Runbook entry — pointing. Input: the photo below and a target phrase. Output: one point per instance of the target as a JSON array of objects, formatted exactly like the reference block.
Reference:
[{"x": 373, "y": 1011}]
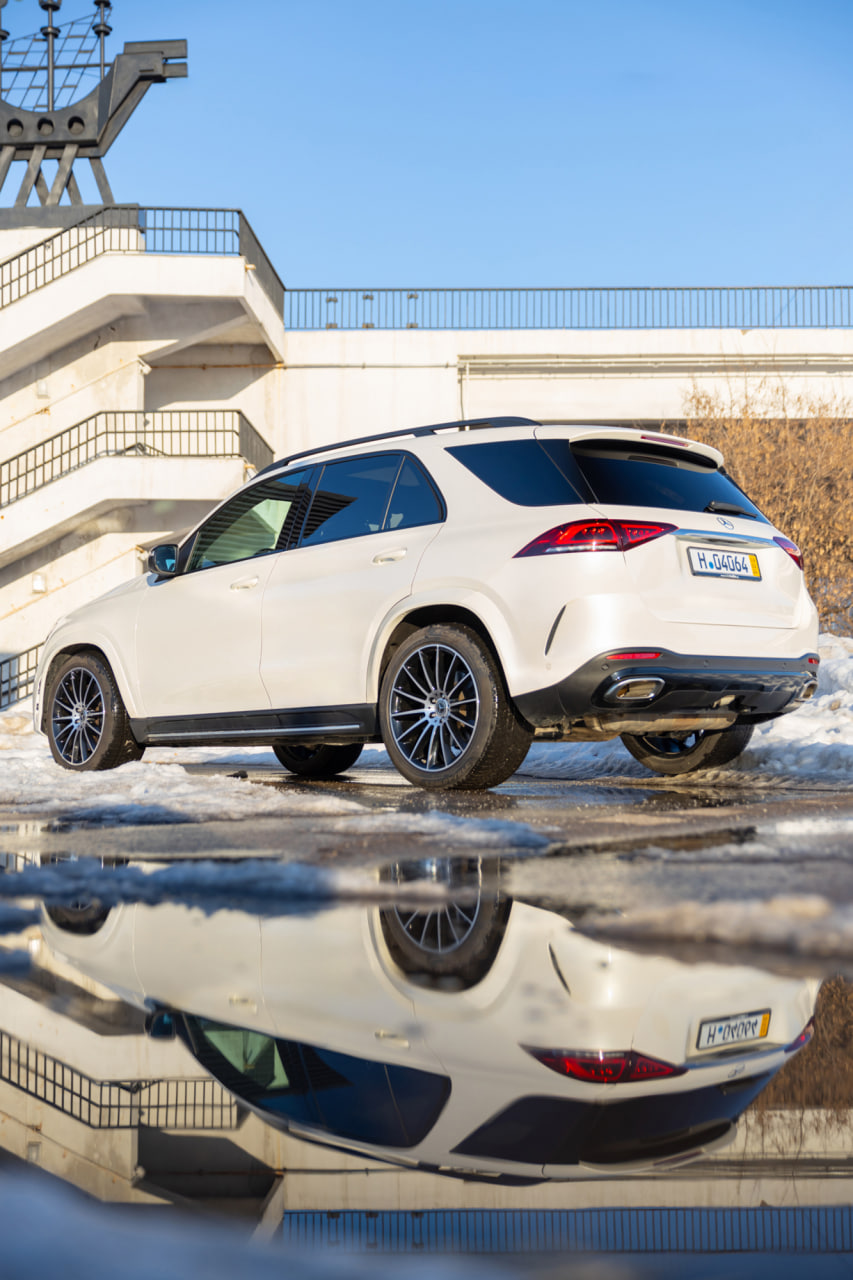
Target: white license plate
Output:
[
  {"x": 740, "y": 1028},
  {"x": 712, "y": 562}
]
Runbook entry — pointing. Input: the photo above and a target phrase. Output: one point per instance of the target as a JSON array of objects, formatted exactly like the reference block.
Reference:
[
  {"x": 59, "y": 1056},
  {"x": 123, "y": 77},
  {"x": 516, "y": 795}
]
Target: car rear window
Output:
[
  {"x": 554, "y": 472},
  {"x": 621, "y": 474}
]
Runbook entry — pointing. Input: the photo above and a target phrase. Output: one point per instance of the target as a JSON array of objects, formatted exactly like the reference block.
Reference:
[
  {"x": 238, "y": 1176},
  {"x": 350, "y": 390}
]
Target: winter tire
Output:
[
  {"x": 683, "y": 752},
  {"x": 444, "y": 713},
  {"x": 319, "y": 762},
  {"x": 87, "y": 725}
]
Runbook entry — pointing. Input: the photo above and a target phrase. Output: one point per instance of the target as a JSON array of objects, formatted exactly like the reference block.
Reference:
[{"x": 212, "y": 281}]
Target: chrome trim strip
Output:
[
  {"x": 725, "y": 539},
  {"x": 258, "y": 733}
]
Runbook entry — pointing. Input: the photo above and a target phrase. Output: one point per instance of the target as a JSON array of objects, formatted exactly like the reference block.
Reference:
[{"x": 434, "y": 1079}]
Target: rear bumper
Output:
[{"x": 672, "y": 687}]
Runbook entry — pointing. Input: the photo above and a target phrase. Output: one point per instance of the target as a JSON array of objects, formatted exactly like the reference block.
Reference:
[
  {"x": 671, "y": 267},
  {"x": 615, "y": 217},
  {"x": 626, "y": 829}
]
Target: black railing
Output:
[
  {"x": 804, "y": 307},
  {"x": 115, "y": 1104},
  {"x": 130, "y": 229},
  {"x": 17, "y": 676},
  {"x": 168, "y": 433}
]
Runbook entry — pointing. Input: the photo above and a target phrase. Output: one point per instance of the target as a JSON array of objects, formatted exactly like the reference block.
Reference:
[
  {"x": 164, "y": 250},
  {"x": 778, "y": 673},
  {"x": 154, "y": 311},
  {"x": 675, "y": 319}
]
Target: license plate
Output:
[
  {"x": 740, "y": 1028},
  {"x": 710, "y": 562}
]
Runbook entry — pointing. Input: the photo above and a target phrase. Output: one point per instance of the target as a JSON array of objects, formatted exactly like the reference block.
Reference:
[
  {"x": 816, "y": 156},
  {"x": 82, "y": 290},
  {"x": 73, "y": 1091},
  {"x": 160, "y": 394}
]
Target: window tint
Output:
[
  {"x": 350, "y": 499},
  {"x": 257, "y": 520},
  {"x": 523, "y": 472},
  {"x": 627, "y": 475},
  {"x": 414, "y": 500},
  {"x": 382, "y": 1103}
]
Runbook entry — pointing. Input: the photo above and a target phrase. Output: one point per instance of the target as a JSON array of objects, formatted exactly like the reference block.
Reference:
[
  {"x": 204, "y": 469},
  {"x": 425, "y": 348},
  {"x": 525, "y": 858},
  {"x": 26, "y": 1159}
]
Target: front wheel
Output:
[
  {"x": 445, "y": 715},
  {"x": 87, "y": 725},
  {"x": 673, "y": 753},
  {"x": 324, "y": 761}
]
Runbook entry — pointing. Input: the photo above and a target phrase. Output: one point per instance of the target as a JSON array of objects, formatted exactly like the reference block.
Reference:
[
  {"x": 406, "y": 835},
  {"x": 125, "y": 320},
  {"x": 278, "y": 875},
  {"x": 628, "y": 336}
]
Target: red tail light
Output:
[
  {"x": 605, "y": 1068},
  {"x": 792, "y": 549},
  {"x": 595, "y": 535},
  {"x": 802, "y": 1039}
]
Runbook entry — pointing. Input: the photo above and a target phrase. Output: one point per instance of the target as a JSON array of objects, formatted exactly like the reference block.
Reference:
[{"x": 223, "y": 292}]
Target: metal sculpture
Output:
[{"x": 43, "y": 118}]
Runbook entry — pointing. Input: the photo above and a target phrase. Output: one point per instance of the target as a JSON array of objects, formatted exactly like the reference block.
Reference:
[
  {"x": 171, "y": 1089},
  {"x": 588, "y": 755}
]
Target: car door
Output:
[
  {"x": 199, "y": 633},
  {"x": 370, "y": 520}
]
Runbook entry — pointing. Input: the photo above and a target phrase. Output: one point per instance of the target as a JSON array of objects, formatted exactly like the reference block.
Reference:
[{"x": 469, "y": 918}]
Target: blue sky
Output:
[{"x": 504, "y": 142}]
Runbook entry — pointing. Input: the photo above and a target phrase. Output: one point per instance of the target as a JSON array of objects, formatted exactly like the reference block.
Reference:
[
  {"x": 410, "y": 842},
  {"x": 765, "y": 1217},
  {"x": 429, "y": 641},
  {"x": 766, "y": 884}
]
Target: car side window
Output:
[
  {"x": 414, "y": 500},
  {"x": 350, "y": 499},
  {"x": 256, "y": 521}
]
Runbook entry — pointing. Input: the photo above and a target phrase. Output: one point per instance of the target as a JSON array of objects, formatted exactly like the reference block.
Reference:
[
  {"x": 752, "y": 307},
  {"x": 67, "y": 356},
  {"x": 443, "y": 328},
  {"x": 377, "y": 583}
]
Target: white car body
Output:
[{"x": 292, "y": 646}]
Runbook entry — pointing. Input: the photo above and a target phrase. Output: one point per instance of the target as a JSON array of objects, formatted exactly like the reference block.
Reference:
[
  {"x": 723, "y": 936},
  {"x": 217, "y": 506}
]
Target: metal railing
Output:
[
  {"x": 131, "y": 229},
  {"x": 115, "y": 1104},
  {"x": 17, "y": 676},
  {"x": 802, "y": 307},
  {"x": 167, "y": 433}
]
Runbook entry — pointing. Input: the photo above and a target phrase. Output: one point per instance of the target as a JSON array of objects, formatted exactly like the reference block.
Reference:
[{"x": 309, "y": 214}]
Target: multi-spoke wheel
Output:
[
  {"x": 323, "y": 761},
  {"x": 445, "y": 716},
  {"x": 86, "y": 722},
  {"x": 457, "y": 938},
  {"x": 673, "y": 753}
]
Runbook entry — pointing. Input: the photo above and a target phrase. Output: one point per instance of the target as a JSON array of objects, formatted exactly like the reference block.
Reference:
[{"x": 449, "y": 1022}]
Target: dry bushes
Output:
[
  {"x": 795, "y": 460},
  {"x": 822, "y": 1075}
]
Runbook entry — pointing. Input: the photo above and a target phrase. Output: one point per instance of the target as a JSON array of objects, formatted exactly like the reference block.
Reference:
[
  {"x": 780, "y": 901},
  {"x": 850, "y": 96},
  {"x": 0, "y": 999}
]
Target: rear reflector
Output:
[
  {"x": 595, "y": 535},
  {"x": 605, "y": 1068},
  {"x": 802, "y": 1039},
  {"x": 642, "y": 655},
  {"x": 792, "y": 549}
]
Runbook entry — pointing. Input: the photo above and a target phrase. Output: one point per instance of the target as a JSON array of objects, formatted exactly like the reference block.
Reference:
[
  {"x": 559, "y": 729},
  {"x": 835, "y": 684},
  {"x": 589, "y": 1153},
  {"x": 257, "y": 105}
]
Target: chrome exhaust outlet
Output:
[{"x": 634, "y": 689}]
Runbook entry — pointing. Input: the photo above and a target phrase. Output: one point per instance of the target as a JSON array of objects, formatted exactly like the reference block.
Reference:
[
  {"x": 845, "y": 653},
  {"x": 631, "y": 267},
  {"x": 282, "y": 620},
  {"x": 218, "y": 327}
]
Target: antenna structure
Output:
[{"x": 61, "y": 100}]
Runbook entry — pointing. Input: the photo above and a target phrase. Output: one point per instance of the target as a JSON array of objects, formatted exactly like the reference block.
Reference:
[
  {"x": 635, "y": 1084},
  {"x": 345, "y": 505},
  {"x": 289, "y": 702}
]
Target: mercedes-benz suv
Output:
[{"x": 452, "y": 591}]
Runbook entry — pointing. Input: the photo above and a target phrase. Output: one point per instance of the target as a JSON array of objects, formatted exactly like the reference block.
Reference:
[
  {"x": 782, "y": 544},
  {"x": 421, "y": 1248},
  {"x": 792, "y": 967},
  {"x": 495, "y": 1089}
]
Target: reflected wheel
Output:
[{"x": 324, "y": 761}]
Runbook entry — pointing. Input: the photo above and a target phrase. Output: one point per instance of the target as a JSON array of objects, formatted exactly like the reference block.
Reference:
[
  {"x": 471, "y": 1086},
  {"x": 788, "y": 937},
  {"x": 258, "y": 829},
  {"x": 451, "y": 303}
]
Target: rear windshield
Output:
[{"x": 545, "y": 473}]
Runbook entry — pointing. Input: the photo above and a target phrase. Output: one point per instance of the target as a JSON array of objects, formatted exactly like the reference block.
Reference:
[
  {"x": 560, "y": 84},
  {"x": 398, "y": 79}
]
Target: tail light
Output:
[
  {"x": 621, "y": 1067},
  {"x": 595, "y": 535},
  {"x": 802, "y": 1039},
  {"x": 792, "y": 549}
]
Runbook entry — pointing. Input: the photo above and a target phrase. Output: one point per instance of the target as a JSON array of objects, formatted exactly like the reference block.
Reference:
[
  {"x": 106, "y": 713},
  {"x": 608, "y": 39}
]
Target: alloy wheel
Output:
[
  {"x": 434, "y": 707},
  {"x": 78, "y": 716}
]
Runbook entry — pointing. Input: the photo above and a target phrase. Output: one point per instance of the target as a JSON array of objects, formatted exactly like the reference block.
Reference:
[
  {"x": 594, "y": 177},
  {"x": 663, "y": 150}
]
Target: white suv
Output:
[{"x": 450, "y": 590}]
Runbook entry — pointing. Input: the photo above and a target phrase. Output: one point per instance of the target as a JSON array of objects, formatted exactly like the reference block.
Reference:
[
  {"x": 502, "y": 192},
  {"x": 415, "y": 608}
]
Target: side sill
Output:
[{"x": 309, "y": 725}]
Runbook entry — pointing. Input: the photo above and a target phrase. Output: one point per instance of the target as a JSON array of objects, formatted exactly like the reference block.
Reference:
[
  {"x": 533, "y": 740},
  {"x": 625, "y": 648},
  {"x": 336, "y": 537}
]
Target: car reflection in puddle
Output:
[{"x": 456, "y": 1031}]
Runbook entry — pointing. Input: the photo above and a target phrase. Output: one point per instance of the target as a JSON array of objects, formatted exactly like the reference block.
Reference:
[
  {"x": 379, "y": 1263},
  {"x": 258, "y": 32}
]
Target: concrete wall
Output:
[{"x": 346, "y": 383}]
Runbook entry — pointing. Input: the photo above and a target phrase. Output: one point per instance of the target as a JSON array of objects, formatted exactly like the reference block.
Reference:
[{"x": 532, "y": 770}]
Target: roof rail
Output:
[{"x": 464, "y": 424}]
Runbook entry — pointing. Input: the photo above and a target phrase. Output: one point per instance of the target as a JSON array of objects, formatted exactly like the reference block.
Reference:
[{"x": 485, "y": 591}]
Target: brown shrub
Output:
[
  {"x": 794, "y": 457},
  {"x": 822, "y": 1075}
]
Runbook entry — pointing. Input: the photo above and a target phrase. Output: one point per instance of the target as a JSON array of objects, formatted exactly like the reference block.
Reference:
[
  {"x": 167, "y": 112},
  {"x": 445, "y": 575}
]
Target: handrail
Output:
[
  {"x": 168, "y": 433},
  {"x": 177, "y": 1103},
  {"x": 131, "y": 229},
  {"x": 794, "y": 307},
  {"x": 18, "y": 676}
]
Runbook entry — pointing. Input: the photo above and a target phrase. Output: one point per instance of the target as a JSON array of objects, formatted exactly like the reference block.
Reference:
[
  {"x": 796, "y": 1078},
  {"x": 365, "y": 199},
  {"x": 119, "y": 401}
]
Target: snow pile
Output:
[{"x": 146, "y": 791}]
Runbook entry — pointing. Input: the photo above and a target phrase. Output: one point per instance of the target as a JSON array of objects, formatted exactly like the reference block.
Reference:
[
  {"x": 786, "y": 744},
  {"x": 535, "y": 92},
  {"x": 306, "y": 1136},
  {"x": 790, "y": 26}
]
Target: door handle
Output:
[
  {"x": 388, "y": 557},
  {"x": 245, "y": 584}
]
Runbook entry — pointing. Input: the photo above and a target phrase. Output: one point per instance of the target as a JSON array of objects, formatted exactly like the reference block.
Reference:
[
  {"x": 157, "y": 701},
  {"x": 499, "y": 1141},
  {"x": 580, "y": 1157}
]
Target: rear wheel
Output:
[
  {"x": 324, "y": 761},
  {"x": 673, "y": 753},
  {"x": 446, "y": 718},
  {"x": 87, "y": 725}
]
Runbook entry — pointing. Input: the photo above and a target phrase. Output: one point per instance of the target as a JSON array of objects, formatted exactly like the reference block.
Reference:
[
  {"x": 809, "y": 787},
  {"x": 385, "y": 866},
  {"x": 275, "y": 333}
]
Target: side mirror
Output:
[
  {"x": 160, "y": 1025},
  {"x": 163, "y": 560}
]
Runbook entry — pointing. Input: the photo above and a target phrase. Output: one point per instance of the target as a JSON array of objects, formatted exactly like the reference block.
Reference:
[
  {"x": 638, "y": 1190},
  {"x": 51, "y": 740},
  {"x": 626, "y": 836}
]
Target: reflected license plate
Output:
[
  {"x": 712, "y": 562},
  {"x": 740, "y": 1028}
]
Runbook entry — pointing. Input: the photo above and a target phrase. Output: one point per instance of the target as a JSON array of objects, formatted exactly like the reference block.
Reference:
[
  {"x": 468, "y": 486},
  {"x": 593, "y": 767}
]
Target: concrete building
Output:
[{"x": 150, "y": 358}]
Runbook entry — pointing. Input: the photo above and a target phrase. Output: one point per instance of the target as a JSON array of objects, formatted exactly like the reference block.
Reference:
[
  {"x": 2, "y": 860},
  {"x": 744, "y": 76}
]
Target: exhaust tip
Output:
[{"x": 634, "y": 689}]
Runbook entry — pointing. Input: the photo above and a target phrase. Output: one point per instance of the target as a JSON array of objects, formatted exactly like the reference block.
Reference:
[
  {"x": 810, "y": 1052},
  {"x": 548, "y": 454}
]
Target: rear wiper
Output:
[{"x": 730, "y": 509}]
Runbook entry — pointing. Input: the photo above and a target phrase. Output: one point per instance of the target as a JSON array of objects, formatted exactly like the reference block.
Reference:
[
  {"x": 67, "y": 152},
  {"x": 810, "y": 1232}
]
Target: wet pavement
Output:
[{"x": 414, "y": 1027}]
